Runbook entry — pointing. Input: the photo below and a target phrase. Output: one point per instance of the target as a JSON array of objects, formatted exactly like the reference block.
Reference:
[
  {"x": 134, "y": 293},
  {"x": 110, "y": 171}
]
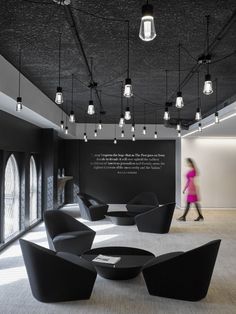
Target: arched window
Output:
[
  {"x": 33, "y": 208},
  {"x": 12, "y": 199}
]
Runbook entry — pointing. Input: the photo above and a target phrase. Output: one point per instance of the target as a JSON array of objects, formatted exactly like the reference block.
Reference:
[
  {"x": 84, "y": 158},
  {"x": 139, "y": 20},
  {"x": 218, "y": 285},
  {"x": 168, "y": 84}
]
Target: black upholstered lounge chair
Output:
[
  {"x": 56, "y": 277},
  {"x": 142, "y": 202},
  {"x": 182, "y": 275},
  {"x": 91, "y": 208},
  {"x": 156, "y": 220},
  {"x": 67, "y": 234}
]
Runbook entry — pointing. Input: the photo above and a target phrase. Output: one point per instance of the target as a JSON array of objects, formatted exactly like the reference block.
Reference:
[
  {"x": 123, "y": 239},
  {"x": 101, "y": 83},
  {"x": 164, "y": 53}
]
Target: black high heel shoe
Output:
[{"x": 199, "y": 218}]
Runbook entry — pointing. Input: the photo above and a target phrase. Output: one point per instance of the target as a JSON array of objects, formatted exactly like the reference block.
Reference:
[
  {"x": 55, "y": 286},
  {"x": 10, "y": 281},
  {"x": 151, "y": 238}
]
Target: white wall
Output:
[{"x": 216, "y": 161}]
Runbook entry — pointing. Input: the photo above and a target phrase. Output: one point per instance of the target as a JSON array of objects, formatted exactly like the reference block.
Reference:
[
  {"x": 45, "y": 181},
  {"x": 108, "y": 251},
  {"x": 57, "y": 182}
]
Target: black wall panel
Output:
[{"x": 116, "y": 173}]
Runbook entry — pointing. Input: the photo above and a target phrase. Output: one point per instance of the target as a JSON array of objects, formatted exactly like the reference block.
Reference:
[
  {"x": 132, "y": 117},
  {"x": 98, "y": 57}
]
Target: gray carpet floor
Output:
[{"x": 131, "y": 296}]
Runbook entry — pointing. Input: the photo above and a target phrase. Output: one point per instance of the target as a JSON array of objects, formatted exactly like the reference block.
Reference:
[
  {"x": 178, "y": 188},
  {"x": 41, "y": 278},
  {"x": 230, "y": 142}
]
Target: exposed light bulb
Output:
[
  {"x": 19, "y": 106},
  {"x": 122, "y": 121},
  {"x": 85, "y": 137},
  {"x": 178, "y": 127},
  {"x": 166, "y": 114},
  {"x": 62, "y": 124},
  {"x": 95, "y": 133},
  {"x": 179, "y": 133},
  {"x": 217, "y": 120},
  {"x": 133, "y": 138},
  {"x": 115, "y": 141},
  {"x": 122, "y": 133},
  {"x": 100, "y": 125},
  {"x": 62, "y": 2},
  {"x": 155, "y": 134},
  {"x": 59, "y": 96},
  {"x": 128, "y": 91},
  {"x": 199, "y": 127},
  {"x": 66, "y": 129},
  {"x": 208, "y": 89},
  {"x": 133, "y": 127},
  {"x": 198, "y": 115},
  {"x": 144, "y": 130},
  {"x": 147, "y": 30},
  {"x": 72, "y": 116},
  {"x": 127, "y": 114},
  {"x": 179, "y": 101},
  {"x": 91, "y": 109}
]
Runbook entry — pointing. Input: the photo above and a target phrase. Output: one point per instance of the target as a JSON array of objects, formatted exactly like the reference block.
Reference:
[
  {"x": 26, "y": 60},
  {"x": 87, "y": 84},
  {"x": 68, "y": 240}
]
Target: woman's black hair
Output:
[{"x": 192, "y": 163}]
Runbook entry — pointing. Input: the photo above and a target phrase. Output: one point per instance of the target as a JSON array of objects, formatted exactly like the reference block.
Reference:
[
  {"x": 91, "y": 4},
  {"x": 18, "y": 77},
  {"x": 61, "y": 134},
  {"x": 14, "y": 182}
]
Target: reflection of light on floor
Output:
[
  {"x": 13, "y": 251},
  {"x": 101, "y": 227},
  {"x": 15, "y": 274},
  {"x": 36, "y": 235},
  {"x": 105, "y": 237}
]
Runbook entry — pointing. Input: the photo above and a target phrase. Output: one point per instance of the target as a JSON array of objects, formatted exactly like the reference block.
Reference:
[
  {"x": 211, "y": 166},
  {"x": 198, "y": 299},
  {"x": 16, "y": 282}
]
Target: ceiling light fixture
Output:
[
  {"x": 155, "y": 133},
  {"x": 133, "y": 122},
  {"x": 59, "y": 95},
  {"x": 208, "y": 89},
  {"x": 62, "y": 2},
  {"x": 122, "y": 118},
  {"x": 19, "y": 105},
  {"x": 198, "y": 115},
  {"x": 166, "y": 113},
  {"x": 133, "y": 137},
  {"x": 144, "y": 114},
  {"x": 91, "y": 108},
  {"x": 199, "y": 127},
  {"x": 122, "y": 133},
  {"x": 216, "y": 112},
  {"x": 128, "y": 91},
  {"x": 179, "y": 133},
  {"x": 115, "y": 140},
  {"x": 147, "y": 30},
  {"x": 127, "y": 111},
  {"x": 179, "y": 99},
  {"x": 72, "y": 114}
]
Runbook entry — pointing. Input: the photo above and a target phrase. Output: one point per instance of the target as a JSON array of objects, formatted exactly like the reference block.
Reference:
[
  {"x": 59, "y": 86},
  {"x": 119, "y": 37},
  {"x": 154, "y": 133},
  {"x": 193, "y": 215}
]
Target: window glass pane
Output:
[
  {"x": 33, "y": 191},
  {"x": 12, "y": 201}
]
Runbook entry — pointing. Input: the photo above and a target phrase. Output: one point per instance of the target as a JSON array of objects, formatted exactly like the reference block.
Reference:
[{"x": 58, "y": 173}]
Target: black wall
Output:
[{"x": 147, "y": 166}]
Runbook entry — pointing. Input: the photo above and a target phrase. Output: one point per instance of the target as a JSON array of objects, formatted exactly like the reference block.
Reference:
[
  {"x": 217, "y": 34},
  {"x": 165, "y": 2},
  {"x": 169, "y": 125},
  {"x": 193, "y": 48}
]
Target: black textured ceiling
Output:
[{"x": 35, "y": 25}]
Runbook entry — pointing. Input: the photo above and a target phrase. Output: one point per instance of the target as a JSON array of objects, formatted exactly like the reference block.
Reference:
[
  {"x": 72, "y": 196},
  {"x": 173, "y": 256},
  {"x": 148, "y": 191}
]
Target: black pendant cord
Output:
[
  {"x": 128, "y": 39},
  {"x": 115, "y": 128},
  {"x": 198, "y": 95},
  {"x": 156, "y": 120},
  {"x": 166, "y": 85},
  {"x": 144, "y": 113},
  {"x": 179, "y": 65},
  {"x": 133, "y": 110},
  {"x": 72, "y": 92},
  {"x": 216, "y": 94},
  {"x": 19, "y": 73},
  {"x": 121, "y": 99},
  {"x": 91, "y": 82},
  {"x": 59, "y": 67},
  {"x": 208, "y": 21}
]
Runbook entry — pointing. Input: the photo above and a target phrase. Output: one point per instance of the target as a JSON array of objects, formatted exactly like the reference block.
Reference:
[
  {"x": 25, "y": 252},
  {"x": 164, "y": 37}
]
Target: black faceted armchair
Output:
[
  {"x": 66, "y": 234},
  {"x": 142, "y": 202},
  {"x": 91, "y": 208},
  {"x": 156, "y": 220},
  {"x": 57, "y": 277},
  {"x": 182, "y": 275}
]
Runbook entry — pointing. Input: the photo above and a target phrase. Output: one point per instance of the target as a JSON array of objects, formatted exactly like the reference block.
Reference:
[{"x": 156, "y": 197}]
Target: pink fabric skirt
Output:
[{"x": 192, "y": 198}]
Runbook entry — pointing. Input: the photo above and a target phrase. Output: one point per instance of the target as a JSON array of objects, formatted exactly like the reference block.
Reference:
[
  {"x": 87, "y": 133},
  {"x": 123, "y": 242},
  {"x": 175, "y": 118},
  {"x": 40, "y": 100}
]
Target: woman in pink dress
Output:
[{"x": 192, "y": 196}]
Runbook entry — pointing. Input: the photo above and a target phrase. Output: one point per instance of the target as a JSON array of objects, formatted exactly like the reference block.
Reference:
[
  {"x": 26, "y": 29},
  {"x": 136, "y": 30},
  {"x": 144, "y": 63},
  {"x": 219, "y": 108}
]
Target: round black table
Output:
[
  {"x": 129, "y": 266},
  {"x": 121, "y": 218}
]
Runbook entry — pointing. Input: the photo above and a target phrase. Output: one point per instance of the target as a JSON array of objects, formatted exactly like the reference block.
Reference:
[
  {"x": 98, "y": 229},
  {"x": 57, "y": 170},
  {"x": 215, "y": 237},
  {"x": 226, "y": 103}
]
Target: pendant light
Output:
[
  {"x": 128, "y": 91},
  {"x": 166, "y": 113},
  {"x": 72, "y": 114},
  {"x": 122, "y": 118},
  {"x": 208, "y": 88},
  {"x": 62, "y": 125},
  {"x": 179, "y": 99},
  {"x": 217, "y": 120},
  {"x": 115, "y": 140},
  {"x": 95, "y": 133},
  {"x": 127, "y": 111},
  {"x": 198, "y": 115},
  {"x": 155, "y": 133},
  {"x": 95, "y": 127},
  {"x": 147, "y": 30},
  {"x": 133, "y": 138},
  {"x": 100, "y": 125},
  {"x": 85, "y": 132},
  {"x": 179, "y": 133},
  {"x": 178, "y": 127},
  {"x": 91, "y": 108},
  {"x": 19, "y": 105},
  {"x": 133, "y": 122},
  {"x": 66, "y": 129},
  {"x": 199, "y": 127},
  {"x": 144, "y": 114},
  {"x": 62, "y": 119},
  {"x": 59, "y": 95},
  {"x": 122, "y": 134}
]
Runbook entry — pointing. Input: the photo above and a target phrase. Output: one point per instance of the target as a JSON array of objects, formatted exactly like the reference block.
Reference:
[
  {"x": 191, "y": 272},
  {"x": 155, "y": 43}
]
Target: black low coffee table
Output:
[
  {"x": 129, "y": 266},
  {"x": 121, "y": 218}
]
